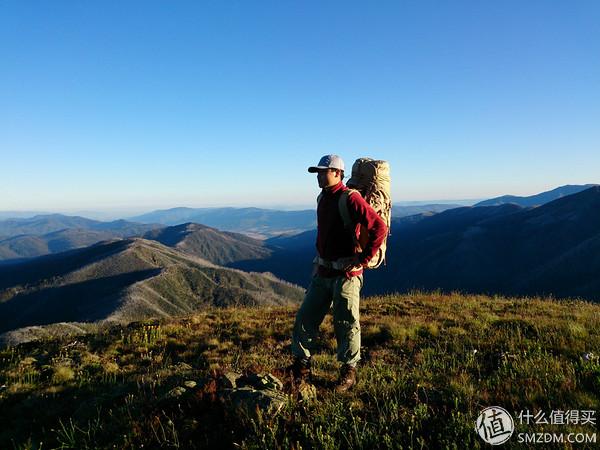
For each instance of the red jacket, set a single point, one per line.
(334, 241)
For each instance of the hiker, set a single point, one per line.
(338, 273)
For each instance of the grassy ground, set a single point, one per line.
(431, 362)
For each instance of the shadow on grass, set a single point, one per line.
(88, 301)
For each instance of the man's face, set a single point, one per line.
(328, 177)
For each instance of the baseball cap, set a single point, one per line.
(328, 162)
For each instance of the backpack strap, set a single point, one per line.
(343, 207)
(344, 211)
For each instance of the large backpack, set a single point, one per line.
(371, 179)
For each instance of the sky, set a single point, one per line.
(138, 105)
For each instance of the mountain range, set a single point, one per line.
(262, 223)
(537, 199)
(218, 247)
(27, 246)
(255, 222)
(40, 225)
(23, 238)
(54, 233)
(507, 249)
(125, 280)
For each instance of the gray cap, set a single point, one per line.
(328, 162)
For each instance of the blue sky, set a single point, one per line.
(142, 105)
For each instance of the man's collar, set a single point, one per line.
(334, 189)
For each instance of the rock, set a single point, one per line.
(229, 380)
(176, 392)
(268, 401)
(190, 384)
(307, 392)
(261, 381)
(183, 366)
(252, 393)
(274, 382)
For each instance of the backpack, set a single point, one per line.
(371, 179)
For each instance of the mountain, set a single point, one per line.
(42, 235)
(126, 280)
(263, 223)
(30, 246)
(20, 214)
(538, 199)
(41, 225)
(549, 250)
(411, 210)
(219, 247)
(254, 222)
(291, 257)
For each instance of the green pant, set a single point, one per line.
(344, 295)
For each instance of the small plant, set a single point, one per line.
(62, 374)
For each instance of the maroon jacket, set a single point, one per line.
(334, 241)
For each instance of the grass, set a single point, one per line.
(431, 362)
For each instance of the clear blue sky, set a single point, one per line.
(114, 104)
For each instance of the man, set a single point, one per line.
(337, 278)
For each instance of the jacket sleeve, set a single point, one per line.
(362, 213)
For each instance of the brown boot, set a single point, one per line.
(300, 369)
(347, 379)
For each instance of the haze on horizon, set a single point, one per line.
(150, 105)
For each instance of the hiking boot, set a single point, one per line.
(300, 369)
(347, 379)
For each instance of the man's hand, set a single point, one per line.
(351, 263)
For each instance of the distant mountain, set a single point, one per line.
(411, 210)
(126, 280)
(253, 222)
(219, 247)
(263, 223)
(549, 250)
(296, 242)
(41, 225)
(538, 199)
(291, 256)
(42, 235)
(29, 246)
(20, 214)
